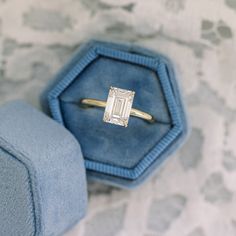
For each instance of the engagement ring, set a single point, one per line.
(118, 107)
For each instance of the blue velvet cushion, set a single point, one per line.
(117, 155)
(42, 175)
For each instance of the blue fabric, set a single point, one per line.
(43, 186)
(121, 156)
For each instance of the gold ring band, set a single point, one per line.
(134, 112)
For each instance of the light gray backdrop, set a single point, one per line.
(194, 192)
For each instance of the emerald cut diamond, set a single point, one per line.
(118, 106)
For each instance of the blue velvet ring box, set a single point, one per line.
(119, 156)
(43, 188)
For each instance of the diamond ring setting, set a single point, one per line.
(118, 107)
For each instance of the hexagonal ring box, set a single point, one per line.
(113, 154)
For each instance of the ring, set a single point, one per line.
(118, 107)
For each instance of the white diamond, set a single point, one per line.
(118, 107)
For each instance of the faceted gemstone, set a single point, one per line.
(118, 107)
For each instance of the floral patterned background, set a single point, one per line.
(194, 193)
